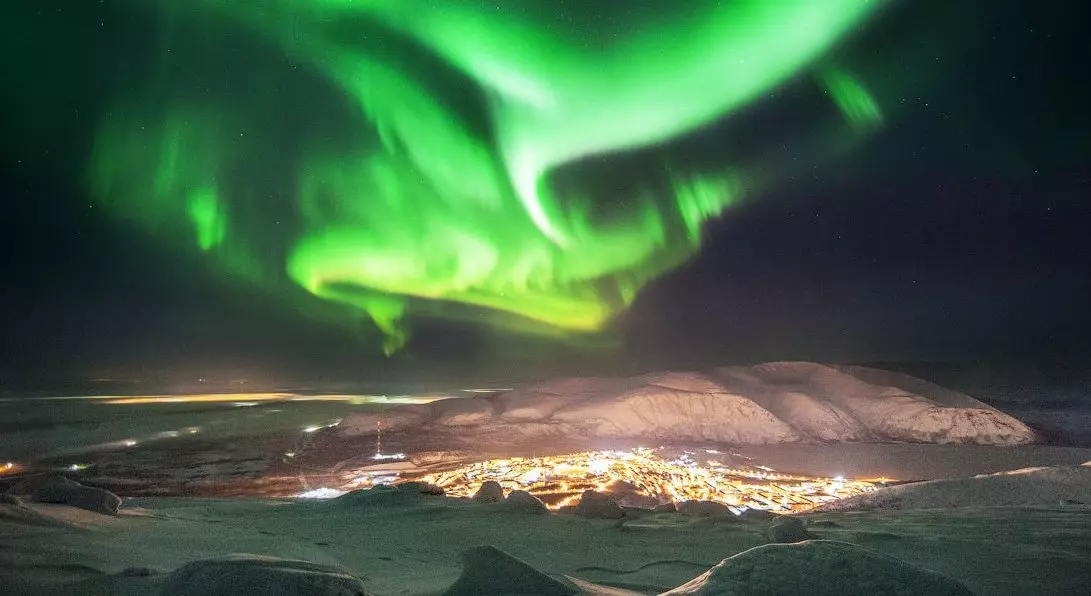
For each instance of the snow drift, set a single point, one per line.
(782, 402)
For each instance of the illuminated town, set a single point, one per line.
(560, 480)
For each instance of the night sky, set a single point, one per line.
(950, 225)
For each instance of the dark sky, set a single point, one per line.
(958, 233)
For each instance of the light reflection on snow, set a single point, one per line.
(317, 427)
(321, 493)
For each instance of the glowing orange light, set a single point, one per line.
(560, 480)
(254, 398)
(199, 398)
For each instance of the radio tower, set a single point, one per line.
(378, 439)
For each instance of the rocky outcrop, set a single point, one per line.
(627, 494)
(704, 509)
(488, 570)
(252, 574)
(378, 496)
(757, 515)
(788, 529)
(64, 491)
(520, 501)
(421, 488)
(490, 491)
(598, 505)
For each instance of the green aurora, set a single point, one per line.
(419, 203)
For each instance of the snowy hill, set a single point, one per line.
(782, 402)
(1028, 487)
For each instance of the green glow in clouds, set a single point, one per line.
(446, 203)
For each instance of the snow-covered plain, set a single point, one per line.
(409, 543)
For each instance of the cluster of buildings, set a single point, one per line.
(643, 473)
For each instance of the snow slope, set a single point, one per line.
(1028, 487)
(815, 568)
(781, 402)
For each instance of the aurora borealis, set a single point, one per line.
(295, 187)
(432, 179)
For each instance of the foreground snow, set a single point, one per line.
(784, 402)
(403, 542)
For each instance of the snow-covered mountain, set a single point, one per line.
(780, 402)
